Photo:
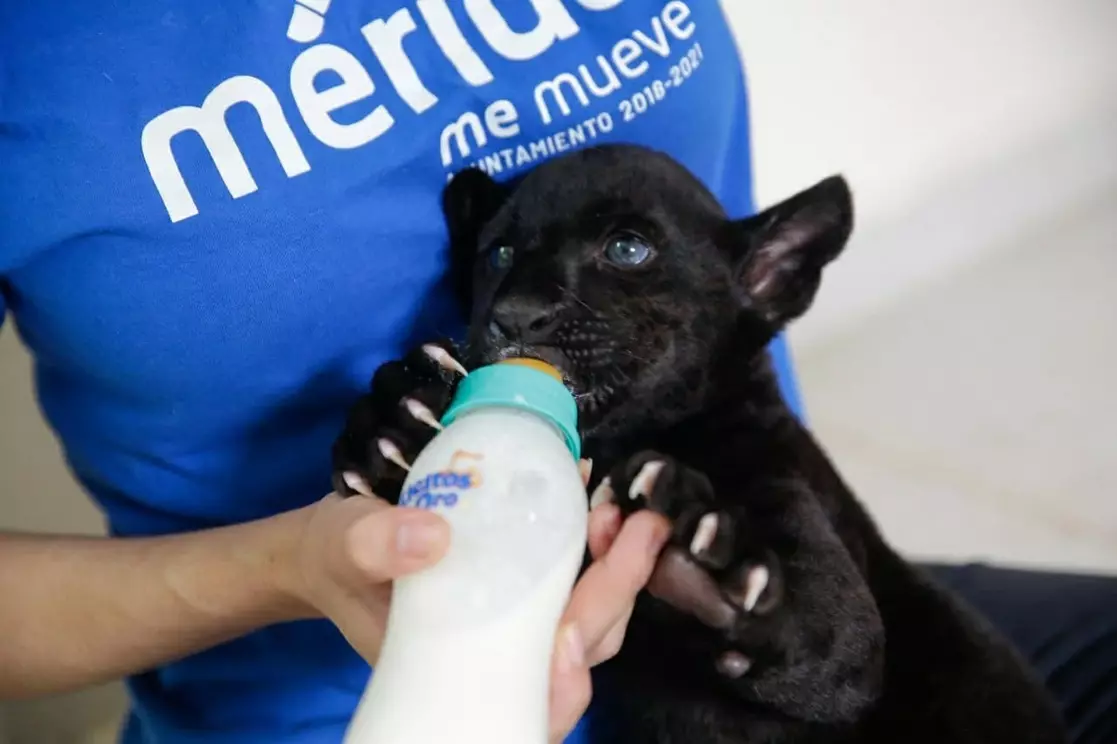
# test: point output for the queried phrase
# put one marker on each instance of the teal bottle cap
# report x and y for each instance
(523, 384)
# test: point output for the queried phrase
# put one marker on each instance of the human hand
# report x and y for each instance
(593, 627)
(351, 549)
(350, 552)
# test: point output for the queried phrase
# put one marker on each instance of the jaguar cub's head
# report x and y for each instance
(619, 267)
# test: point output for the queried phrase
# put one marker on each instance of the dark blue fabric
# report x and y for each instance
(1065, 624)
(207, 255)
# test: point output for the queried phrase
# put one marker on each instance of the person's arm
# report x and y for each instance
(76, 611)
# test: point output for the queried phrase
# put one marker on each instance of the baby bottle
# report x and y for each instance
(467, 653)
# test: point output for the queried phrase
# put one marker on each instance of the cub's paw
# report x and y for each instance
(390, 425)
(715, 567)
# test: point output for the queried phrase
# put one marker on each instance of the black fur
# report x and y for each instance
(791, 619)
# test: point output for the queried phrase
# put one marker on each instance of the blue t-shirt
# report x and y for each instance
(217, 218)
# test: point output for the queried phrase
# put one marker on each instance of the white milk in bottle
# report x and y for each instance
(467, 654)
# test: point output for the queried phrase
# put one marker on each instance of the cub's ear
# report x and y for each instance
(469, 201)
(781, 252)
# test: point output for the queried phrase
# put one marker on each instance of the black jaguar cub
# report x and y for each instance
(784, 615)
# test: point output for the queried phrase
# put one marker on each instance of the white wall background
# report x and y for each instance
(963, 125)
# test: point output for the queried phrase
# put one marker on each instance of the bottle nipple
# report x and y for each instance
(515, 383)
(535, 364)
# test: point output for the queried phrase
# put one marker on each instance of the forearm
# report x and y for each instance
(76, 611)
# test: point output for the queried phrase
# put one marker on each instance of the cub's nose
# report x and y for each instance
(525, 320)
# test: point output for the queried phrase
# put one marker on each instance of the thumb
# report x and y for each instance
(388, 543)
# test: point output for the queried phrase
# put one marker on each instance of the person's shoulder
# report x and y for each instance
(27, 27)
(43, 41)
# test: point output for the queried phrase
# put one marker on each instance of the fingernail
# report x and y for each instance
(657, 536)
(585, 468)
(421, 536)
(614, 520)
(572, 654)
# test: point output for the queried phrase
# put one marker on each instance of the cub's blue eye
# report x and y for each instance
(627, 249)
(501, 257)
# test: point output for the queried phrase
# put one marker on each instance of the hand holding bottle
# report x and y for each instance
(350, 550)
(593, 627)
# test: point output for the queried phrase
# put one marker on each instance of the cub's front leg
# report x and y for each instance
(389, 425)
(755, 599)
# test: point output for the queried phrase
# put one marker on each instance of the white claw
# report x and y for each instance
(704, 535)
(442, 358)
(420, 412)
(733, 664)
(644, 482)
(755, 584)
(391, 452)
(357, 483)
(603, 494)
